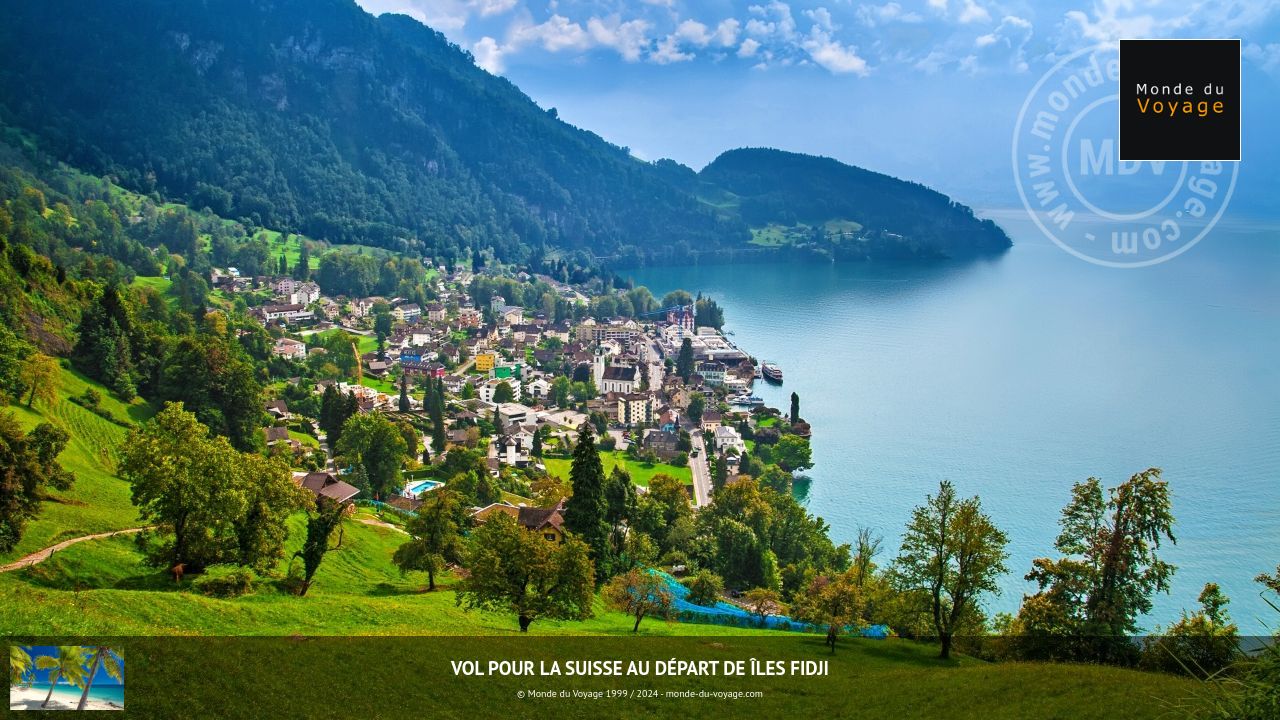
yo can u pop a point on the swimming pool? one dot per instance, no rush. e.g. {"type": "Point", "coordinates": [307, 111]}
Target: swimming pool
{"type": "Point", "coordinates": [418, 487]}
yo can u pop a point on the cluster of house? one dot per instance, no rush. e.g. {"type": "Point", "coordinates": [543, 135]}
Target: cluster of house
{"type": "Point", "coordinates": [526, 352]}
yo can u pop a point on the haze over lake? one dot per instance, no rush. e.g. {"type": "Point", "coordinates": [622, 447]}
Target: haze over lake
{"type": "Point", "coordinates": [1016, 377]}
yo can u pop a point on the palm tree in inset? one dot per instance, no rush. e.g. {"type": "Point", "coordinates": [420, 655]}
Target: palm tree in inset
{"type": "Point", "coordinates": [19, 663]}
{"type": "Point", "coordinates": [67, 664]}
{"type": "Point", "coordinates": [110, 658]}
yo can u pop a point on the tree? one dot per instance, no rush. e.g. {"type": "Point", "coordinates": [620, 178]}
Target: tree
{"type": "Point", "coordinates": [112, 659]}
{"type": "Point", "coordinates": [684, 360]}
{"type": "Point", "coordinates": [620, 506]}
{"type": "Point", "coordinates": [953, 552]}
{"type": "Point", "coordinates": [1090, 598]}
{"type": "Point", "coordinates": [404, 393]}
{"type": "Point", "coordinates": [503, 393]}
{"type": "Point", "coordinates": [868, 546]}
{"type": "Point", "coordinates": [320, 527]}
{"type": "Point", "coordinates": [586, 510]}
{"type": "Point", "coordinates": [20, 663]}
{"type": "Point", "coordinates": [834, 601]}
{"type": "Point", "coordinates": [40, 374]}
{"type": "Point", "coordinates": [719, 471]}
{"type": "Point", "coordinates": [697, 406]}
{"type": "Point", "coordinates": [28, 466]}
{"type": "Point", "coordinates": [1203, 643]}
{"type": "Point", "coordinates": [209, 503]}
{"type": "Point", "coordinates": [795, 408]}
{"type": "Point", "coordinates": [335, 410]}
{"type": "Point", "coordinates": [516, 570]}
{"type": "Point", "coordinates": [67, 664]}
{"type": "Point", "coordinates": [302, 270]}
{"type": "Point", "coordinates": [375, 444]}
{"type": "Point", "coordinates": [792, 453]}
{"type": "Point", "coordinates": [640, 592]}
{"type": "Point", "coordinates": [536, 449]}
{"type": "Point", "coordinates": [705, 588]}
{"type": "Point", "coordinates": [435, 535]}
{"type": "Point", "coordinates": [763, 602]}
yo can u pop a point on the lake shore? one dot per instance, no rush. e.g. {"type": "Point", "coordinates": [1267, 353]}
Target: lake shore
{"type": "Point", "coordinates": [21, 698]}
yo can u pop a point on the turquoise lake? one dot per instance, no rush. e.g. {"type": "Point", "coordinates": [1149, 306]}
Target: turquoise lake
{"type": "Point", "coordinates": [1016, 377]}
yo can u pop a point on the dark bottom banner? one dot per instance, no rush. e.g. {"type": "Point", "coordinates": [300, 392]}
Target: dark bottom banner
{"type": "Point", "coordinates": [573, 677]}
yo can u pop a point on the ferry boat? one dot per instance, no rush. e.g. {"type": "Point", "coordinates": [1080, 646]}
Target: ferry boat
{"type": "Point", "coordinates": [750, 400]}
{"type": "Point", "coordinates": [771, 372]}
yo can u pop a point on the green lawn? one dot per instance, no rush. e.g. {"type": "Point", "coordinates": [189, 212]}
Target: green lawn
{"type": "Point", "coordinates": [98, 501]}
{"type": "Point", "coordinates": [641, 473]}
{"type": "Point", "coordinates": [101, 588]}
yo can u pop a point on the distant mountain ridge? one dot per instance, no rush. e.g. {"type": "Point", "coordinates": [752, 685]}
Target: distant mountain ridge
{"type": "Point", "coordinates": [316, 117]}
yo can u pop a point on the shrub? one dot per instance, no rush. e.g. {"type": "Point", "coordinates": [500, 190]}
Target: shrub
{"type": "Point", "coordinates": [233, 584]}
{"type": "Point", "coordinates": [704, 588]}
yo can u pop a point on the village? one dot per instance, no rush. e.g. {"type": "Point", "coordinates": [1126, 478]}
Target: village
{"type": "Point", "coordinates": [664, 396]}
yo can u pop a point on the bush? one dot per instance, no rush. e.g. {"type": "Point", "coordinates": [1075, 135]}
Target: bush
{"type": "Point", "coordinates": [233, 584]}
{"type": "Point", "coordinates": [680, 460]}
{"type": "Point", "coordinates": [607, 443]}
{"type": "Point", "coordinates": [704, 588]}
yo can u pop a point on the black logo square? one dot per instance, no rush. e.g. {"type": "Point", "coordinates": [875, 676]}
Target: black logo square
{"type": "Point", "coordinates": [1179, 100]}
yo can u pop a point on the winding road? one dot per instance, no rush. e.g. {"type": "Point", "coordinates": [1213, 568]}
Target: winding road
{"type": "Point", "coordinates": [40, 556]}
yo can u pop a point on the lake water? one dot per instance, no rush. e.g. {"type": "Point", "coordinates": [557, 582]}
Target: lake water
{"type": "Point", "coordinates": [1016, 377]}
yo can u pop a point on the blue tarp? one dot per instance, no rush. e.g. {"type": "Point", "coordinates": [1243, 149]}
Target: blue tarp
{"type": "Point", "coordinates": [723, 613]}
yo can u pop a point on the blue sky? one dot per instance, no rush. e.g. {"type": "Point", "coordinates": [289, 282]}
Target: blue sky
{"type": "Point", "coordinates": [923, 89]}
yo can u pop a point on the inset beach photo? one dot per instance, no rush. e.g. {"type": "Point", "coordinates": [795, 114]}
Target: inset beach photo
{"type": "Point", "coordinates": [66, 677]}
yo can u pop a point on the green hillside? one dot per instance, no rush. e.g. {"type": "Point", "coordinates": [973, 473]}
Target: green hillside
{"type": "Point", "coordinates": [315, 117]}
{"type": "Point", "coordinates": [98, 501]}
{"type": "Point", "coordinates": [358, 592]}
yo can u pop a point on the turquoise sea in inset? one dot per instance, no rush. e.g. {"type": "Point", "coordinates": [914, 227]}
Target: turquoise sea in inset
{"type": "Point", "coordinates": [70, 694]}
{"type": "Point", "coordinates": [1017, 376]}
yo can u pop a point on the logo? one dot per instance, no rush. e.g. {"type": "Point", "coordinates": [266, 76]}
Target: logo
{"type": "Point", "coordinates": [1073, 184]}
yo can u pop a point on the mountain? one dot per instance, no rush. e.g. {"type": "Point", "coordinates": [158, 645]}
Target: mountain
{"type": "Point", "coordinates": [772, 187]}
{"type": "Point", "coordinates": [313, 116]}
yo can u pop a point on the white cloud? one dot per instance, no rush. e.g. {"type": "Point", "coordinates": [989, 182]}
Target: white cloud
{"type": "Point", "coordinates": [630, 39]}
{"type": "Point", "coordinates": [1266, 56]}
{"type": "Point", "coordinates": [1004, 46]}
{"type": "Point", "coordinates": [488, 54]}
{"type": "Point", "coordinates": [748, 48]}
{"type": "Point", "coordinates": [973, 12]}
{"type": "Point", "coordinates": [832, 55]}
{"type": "Point", "coordinates": [669, 52]}
{"type": "Point", "coordinates": [939, 5]}
{"type": "Point", "coordinates": [822, 17]}
{"type": "Point", "coordinates": [874, 15]}
{"type": "Point", "coordinates": [556, 34]}
{"type": "Point", "coordinates": [488, 8]}
{"type": "Point", "coordinates": [726, 33]}
{"type": "Point", "coordinates": [692, 32]}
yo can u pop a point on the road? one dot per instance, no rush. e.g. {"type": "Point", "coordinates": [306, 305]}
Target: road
{"type": "Point", "coordinates": [41, 555]}
{"type": "Point", "coordinates": [653, 359]}
{"type": "Point", "coordinates": [701, 472]}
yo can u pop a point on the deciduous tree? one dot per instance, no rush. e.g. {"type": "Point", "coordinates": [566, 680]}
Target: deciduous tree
{"type": "Point", "coordinates": [515, 570]}
{"type": "Point", "coordinates": [953, 552]}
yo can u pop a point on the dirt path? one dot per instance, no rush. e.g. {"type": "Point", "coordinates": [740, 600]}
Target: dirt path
{"type": "Point", "coordinates": [380, 523]}
{"type": "Point", "coordinates": [40, 556]}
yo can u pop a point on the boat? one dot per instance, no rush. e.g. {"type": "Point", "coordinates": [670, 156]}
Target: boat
{"type": "Point", "coordinates": [771, 372]}
{"type": "Point", "coordinates": [750, 400]}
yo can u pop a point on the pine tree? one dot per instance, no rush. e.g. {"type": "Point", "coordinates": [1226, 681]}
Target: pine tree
{"type": "Point", "coordinates": [795, 408]}
{"type": "Point", "coordinates": [302, 271]}
{"type": "Point", "coordinates": [684, 361]}
{"type": "Point", "coordinates": [585, 511]}
{"type": "Point", "coordinates": [404, 393]}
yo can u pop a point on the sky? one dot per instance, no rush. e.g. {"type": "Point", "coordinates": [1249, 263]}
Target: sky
{"type": "Point", "coordinates": [926, 90]}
